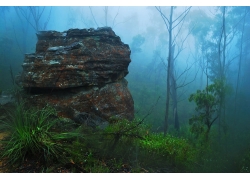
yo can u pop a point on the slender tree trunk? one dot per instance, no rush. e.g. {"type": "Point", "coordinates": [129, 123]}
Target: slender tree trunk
{"type": "Point", "coordinates": [169, 22]}
{"type": "Point", "coordinates": [239, 68]}
{"type": "Point", "coordinates": [175, 107]}
{"type": "Point", "coordinates": [222, 71]}
{"type": "Point", "coordinates": [106, 15]}
{"type": "Point", "coordinates": [168, 70]}
{"type": "Point", "coordinates": [173, 90]}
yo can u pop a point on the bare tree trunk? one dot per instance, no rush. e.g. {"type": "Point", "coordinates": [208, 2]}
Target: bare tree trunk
{"type": "Point", "coordinates": [222, 62]}
{"type": "Point", "coordinates": [106, 15]}
{"type": "Point", "coordinates": [172, 24]}
{"type": "Point", "coordinates": [168, 70]}
{"type": "Point", "coordinates": [240, 60]}
{"type": "Point", "coordinates": [93, 16]}
{"type": "Point", "coordinates": [175, 109]}
{"type": "Point", "coordinates": [173, 90]}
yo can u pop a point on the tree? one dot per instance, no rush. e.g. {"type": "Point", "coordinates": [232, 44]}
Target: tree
{"type": "Point", "coordinates": [241, 16]}
{"type": "Point", "coordinates": [207, 107]}
{"type": "Point", "coordinates": [171, 25]}
{"type": "Point", "coordinates": [109, 15]}
{"type": "Point", "coordinates": [201, 23]}
{"type": "Point", "coordinates": [217, 55]}
{"type": "Point", "coordinates": [223, 35]}
{"type": "Point", "coordinates": [33, 15]}
{"type": "Point", "coordinates": [29, 16]}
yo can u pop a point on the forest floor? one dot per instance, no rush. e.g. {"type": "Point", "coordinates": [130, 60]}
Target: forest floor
{"type": "Point", "coordinates": [97, 164]}
{"type": "Point", "coordinates": [32, 165]}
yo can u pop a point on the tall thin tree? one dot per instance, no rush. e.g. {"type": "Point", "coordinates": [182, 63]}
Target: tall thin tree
{"type": "Point", "coordinates": [171, 25]}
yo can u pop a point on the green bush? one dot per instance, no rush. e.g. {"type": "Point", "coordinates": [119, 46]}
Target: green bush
{"type": "Point", "coordinates": [121, 137]}
{"type": "Point", "coordinates": [170, 150]}
{"type": "Point", "coordinates": [132, 141]}
{"type": "Point", "coordinates": [207, 108]}
{"type": "Point", "coordinates": [32, 133]}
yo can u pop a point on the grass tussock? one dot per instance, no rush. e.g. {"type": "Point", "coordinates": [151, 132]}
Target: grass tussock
{"type": "Point", "coordinates": [31, 133]}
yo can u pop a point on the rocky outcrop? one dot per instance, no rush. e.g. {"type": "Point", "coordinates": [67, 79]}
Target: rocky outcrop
{"type": "Point", "coordinates": [80, 71]}
{"type": "Point", "coordinates": [74, 58]}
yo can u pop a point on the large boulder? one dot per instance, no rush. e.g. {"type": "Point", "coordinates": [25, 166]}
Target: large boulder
{"type": "Point", "coordinates": [80, 71]}
{"type": "Point", "coordinates": [75, 58]}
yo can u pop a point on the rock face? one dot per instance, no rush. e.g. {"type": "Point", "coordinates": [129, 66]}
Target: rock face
{"type": "Point", "coordinates": [74, 58]}
{"type": "Point", "coordinates": [80, 71]}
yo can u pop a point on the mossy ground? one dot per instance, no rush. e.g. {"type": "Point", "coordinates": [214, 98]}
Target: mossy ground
{"type": "Point", "coordinates": [123, 147]}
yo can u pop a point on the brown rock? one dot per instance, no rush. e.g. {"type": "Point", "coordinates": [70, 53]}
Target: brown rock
{"type": "Point", "coordinates": [75, 58]}
{"type": "Point", "coordinates": [111, 100]}
{"type": "Point", "coordinates": [79, 70]}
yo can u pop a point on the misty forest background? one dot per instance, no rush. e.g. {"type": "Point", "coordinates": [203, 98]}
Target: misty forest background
{"type": "Point", "coordinates": [175, 51]}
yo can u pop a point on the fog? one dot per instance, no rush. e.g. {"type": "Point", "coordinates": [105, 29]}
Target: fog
{"type": "Point", "coordinates": [210, 42]}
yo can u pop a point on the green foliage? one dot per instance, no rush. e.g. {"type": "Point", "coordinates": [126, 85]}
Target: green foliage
{"type": "Point", "coordinates": [207, 107]}
{"type": "Point", "coordinates": [106, 150]}
{"type": "Point", "coordinates": [31, 133]}
{"type": "Point", "coordinates": [125, 128]}
{"type": "Point", "coordinates": [170, 150]}
{"type": "Point", "coordinates": [132, 141]}
{"type": "Point", "coordinates": [122, 136]}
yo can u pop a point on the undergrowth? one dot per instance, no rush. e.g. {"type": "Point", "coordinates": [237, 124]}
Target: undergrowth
{"type": "Point", "coordinates": [31, 133]}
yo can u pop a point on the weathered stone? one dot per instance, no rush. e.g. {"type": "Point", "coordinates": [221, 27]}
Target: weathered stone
{"type": "Point", "coordinates": [75, 58]}
{"type": "Point", "coordinates": [111, 100]}
{"type": "Point", "coordinates": [79, 71]}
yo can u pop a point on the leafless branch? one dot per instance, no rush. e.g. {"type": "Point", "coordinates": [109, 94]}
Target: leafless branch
{"type": "Point", "coordinates": [47, 21]}
{"type": "Point", "coordinates": [26, 15]}
{"type": "Point", "coordinates": [106, 15]}
{"type": "Point", "coordinates": [165, 65]}
{"type": "Point", "coordinates": [115, 17]}
{"type": "Point", "coordinates": [183, 84]}
{"type": "Point", "coordinates": [183, 13]}
{"type": "Point", "coordinates": [19, 47]}
{"type": "Point", "coordinates": [183, 72]}
{"type": "Point", "coordinates": [123, 22]}
{"type": "Point", "coordinates": [163, 17]}
{"type": "Point", "coordinates": [35, 13]}
{"type": "Point", "coordinates": [93, 16]}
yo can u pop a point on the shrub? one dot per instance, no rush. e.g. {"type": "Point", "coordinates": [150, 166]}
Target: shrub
{"type": "Point", "coordinates": [120, 138]}
{"type": "Point", "coordinates": [172, 151]}
{"type": "Point", "coordinates": [31, 133]}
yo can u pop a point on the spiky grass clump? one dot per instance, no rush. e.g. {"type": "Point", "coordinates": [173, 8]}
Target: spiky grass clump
{"type": "Point", "coordinates": [30, 134]}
